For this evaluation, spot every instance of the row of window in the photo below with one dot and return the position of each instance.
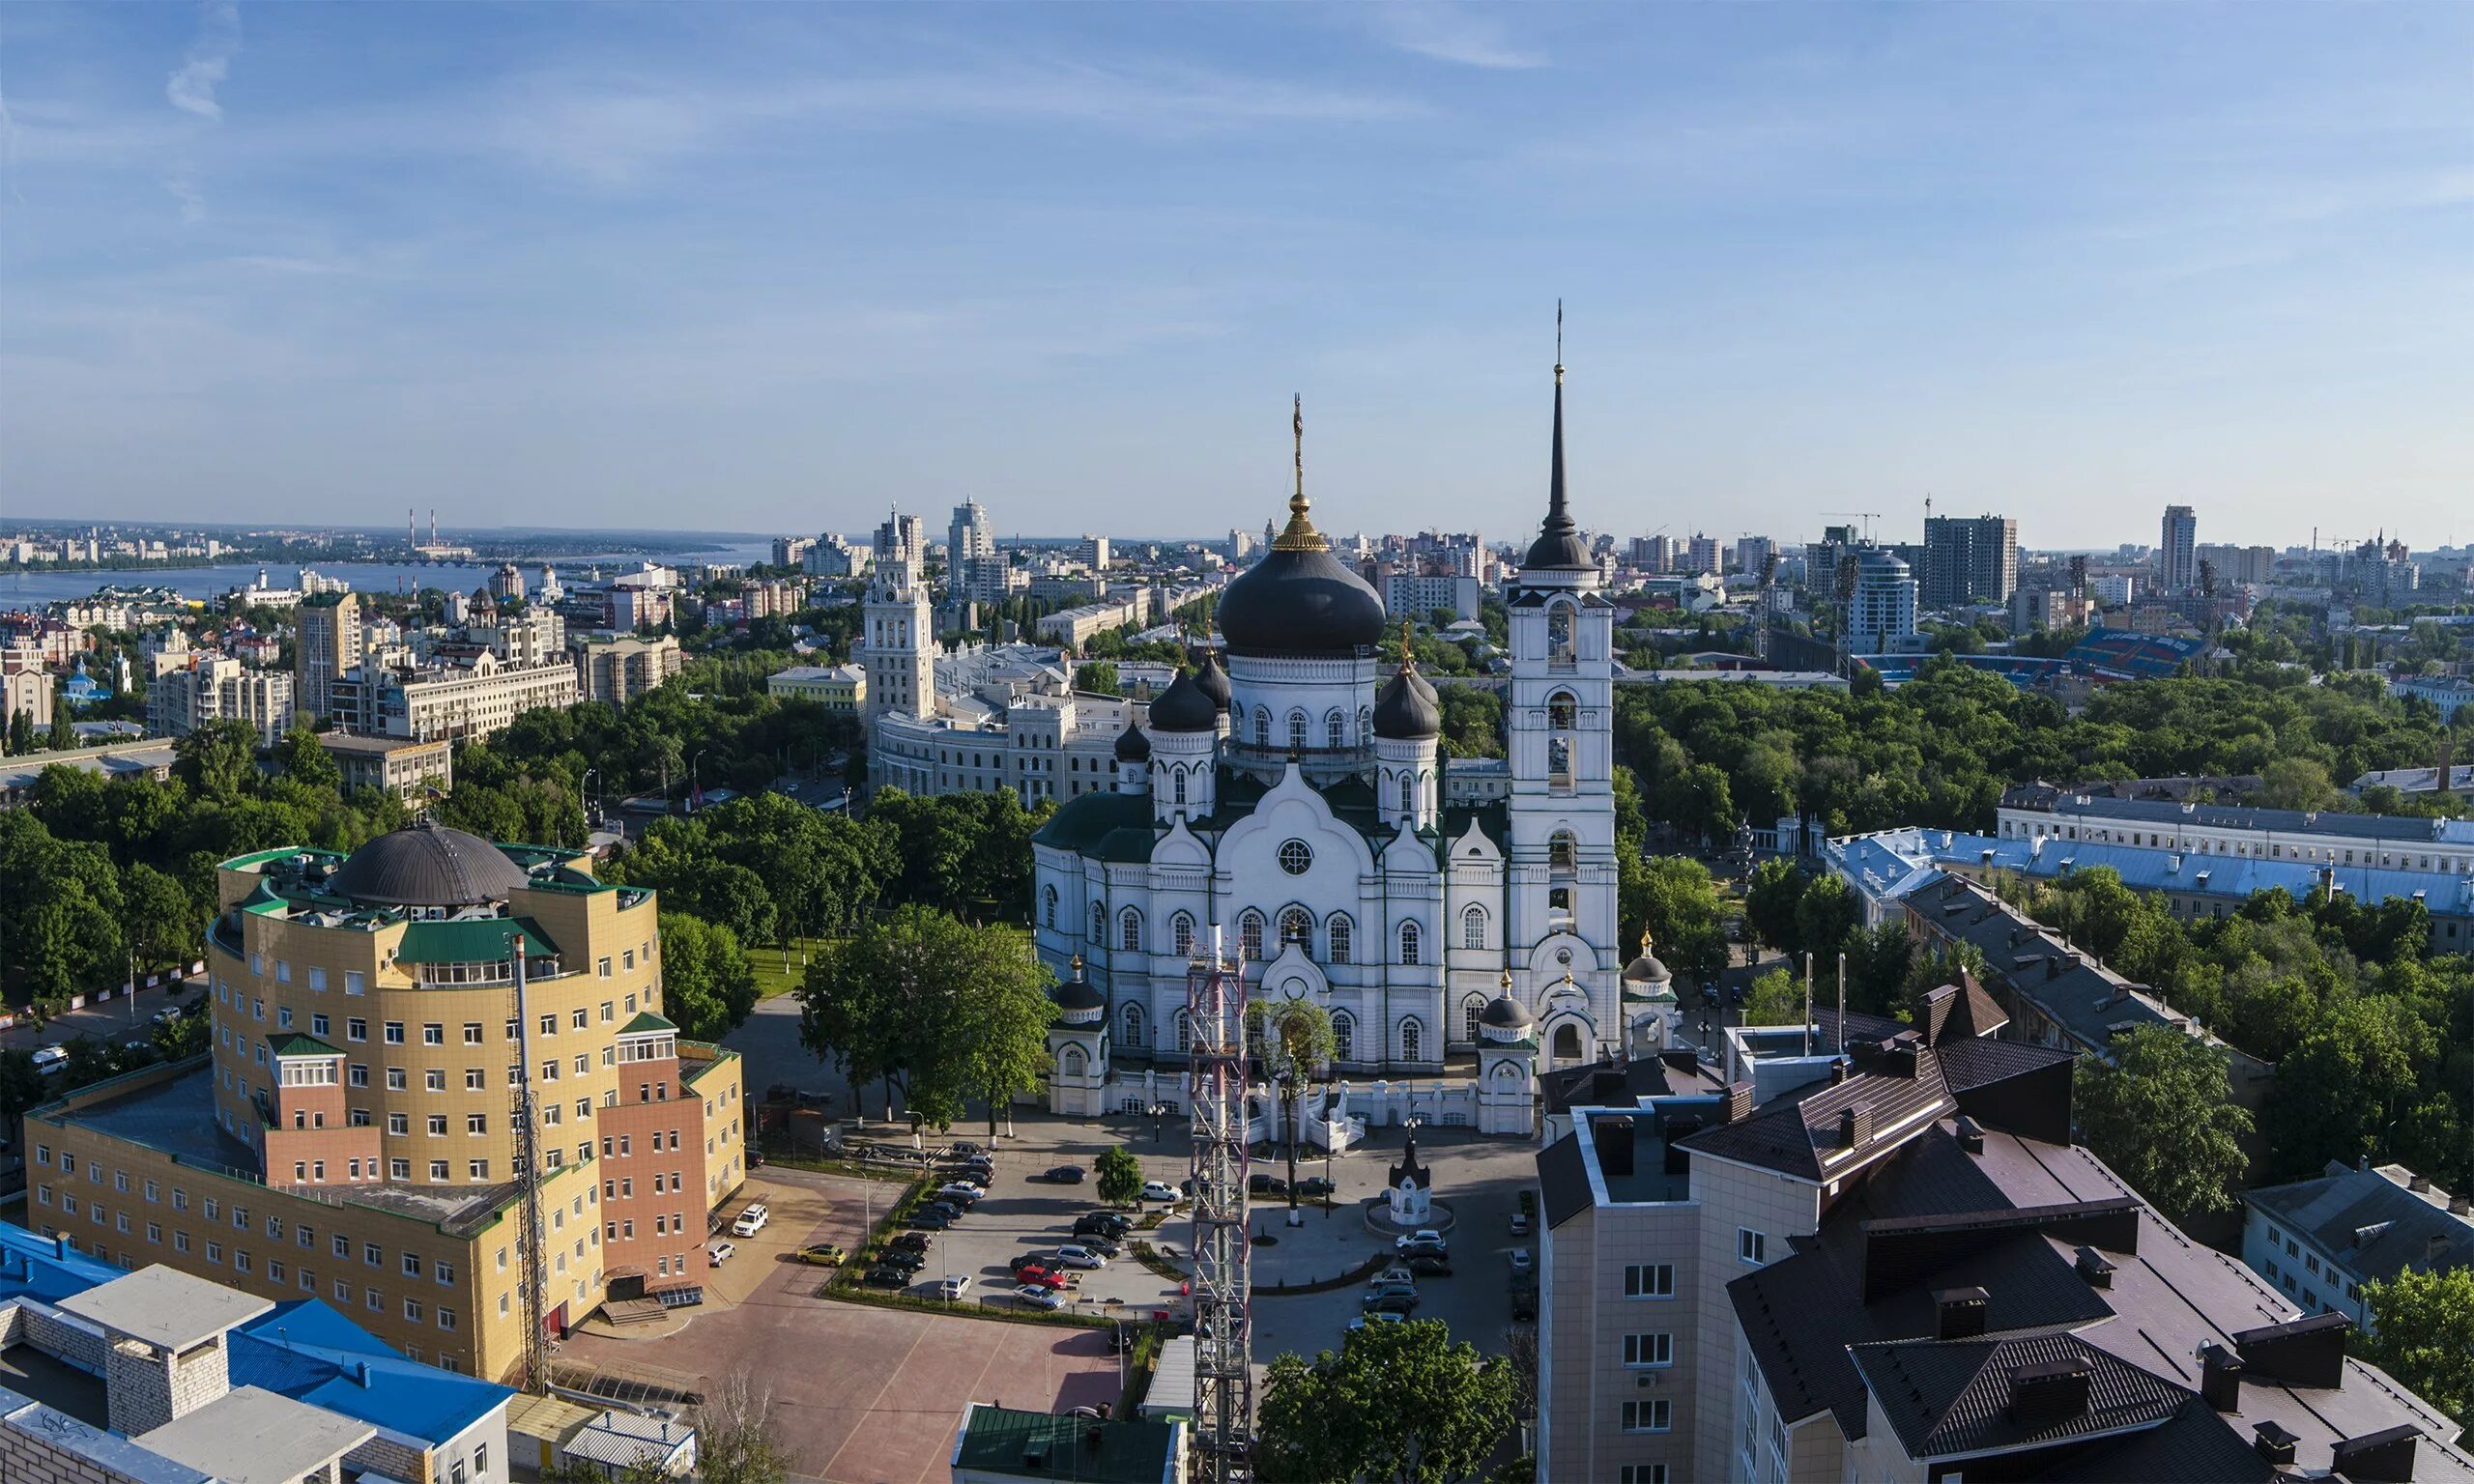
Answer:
(1413, 1032)
(2266, 848)
(433, 1033)
(242, 1259)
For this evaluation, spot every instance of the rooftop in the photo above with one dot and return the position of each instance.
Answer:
(2370, 1222)
(166, 1309)
(249, 1436)
(2291, 821)
(1044, 1445)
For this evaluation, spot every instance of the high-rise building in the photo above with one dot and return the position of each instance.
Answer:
(620, 670)
(791, 551)
(1702, 555)
(897, 644)
(902, 538)
(970, 537)
(330, 644)
(1880, 618)
(1753, 553)
(2177, 568)
(1969, 560)
(508, 583)
(218, 688)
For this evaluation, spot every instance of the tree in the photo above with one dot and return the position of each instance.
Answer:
(2298, 783)
(1677, 903)
(1097, 676)
(1877, 964)
(2421, 1333)
(735, 1442)
(1473, 722)
(1769, 903)
(217, 761)
(2343, 1084)
(2164, 1117)
(708, 987)
(1824, 918)
(1777, 999)
(1297, 1044)
(1396, 1402)
(1120, 1176)
(22, 733)
(163, 924)
(64, 736)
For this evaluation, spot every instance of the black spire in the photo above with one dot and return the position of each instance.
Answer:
(1558, 546)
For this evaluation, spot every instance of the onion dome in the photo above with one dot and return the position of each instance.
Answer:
(1407, 708)
(1646, 973)
(1300, 600)
(1213, 679)
(1558, 547)
(1184, 706)
(1505, 1018)
(428, 865)
(1131, 745)
(1078, 997)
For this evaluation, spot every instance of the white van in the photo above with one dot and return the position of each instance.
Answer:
(50, 1059)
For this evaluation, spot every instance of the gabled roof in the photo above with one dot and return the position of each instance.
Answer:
(646, 1023)
(298, 1045)
(2370, 1225)
(1946, 1397)
(1562, 1179)
(1797, 1135)
(473, 940)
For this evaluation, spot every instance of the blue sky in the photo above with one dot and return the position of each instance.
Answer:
(772, 267)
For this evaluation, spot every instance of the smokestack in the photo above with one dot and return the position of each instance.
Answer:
(2220, 1378)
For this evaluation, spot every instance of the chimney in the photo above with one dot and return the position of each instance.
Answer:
(2433, 1246)
(2272, 1442)
(1738, 1104)
(2300, 1353)
(1837, 1070)
(1855, 1126)
(1958, 1313)
(2053, 1392)
(1613, 1137)
(2094, 1267)
(1970, 1135)
(2460, 1204)
(2386, 1456)
(2220, 1378)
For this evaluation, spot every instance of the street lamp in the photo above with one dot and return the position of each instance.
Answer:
(695, 777)
(583, 798)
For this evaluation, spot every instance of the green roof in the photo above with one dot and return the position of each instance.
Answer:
(477, 940)
(999, 1440)
(297, 1045)
(644, 1024)
(1079, 824)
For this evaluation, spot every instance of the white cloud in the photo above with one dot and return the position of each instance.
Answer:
(1451, 33)
(208, 61)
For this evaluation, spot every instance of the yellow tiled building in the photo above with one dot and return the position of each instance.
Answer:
(350, 1133)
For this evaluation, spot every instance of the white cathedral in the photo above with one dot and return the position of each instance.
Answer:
(1293, 802)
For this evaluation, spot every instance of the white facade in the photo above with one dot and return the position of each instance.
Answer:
(1881, 618)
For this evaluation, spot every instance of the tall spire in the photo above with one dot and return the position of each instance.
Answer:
(1300, 535)
(1558, 546)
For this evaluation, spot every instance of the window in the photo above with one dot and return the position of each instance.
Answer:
(1133, 1026)
(399, 1122)
(1751, 1246)
(1651, 1416)
(1296, 731)
(353, 982)
(1250, 935)
(1297, 925)
(1336, 937)
(1262, 739)
(318, 1026)
(1473, 1012)
(1559, 711)
(434, 1079)
(1130, 931)
(1181, 935)
(395, 1033)
(1185, 1032)
(1098, 923)
(1649, 1280)
(1333, 729)
(1296, 856)
(1648, 1350)
(317, 979)
(356, 1029)
(396, 1078)
(1642, 1473)
(1408, 943)
(1411, 1033)
(1343, 1037)
(1473, 928)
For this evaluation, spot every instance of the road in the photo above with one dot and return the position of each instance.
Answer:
(123, 1017)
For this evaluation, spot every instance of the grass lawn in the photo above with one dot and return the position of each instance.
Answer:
(771, 979)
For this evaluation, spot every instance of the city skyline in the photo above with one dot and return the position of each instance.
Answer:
(782, 266)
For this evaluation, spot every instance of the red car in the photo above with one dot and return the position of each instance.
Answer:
(1043, 1277)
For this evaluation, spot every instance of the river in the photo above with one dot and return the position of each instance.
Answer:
(33, 589)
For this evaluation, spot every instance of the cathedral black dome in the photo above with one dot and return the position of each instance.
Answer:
(1213, 679)
(1133, 746)
(427, 865)
(1407, 708)
(1078, 992)
(1184, 706)
(1300, 602)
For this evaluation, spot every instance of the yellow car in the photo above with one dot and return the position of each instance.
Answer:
(823, 1255)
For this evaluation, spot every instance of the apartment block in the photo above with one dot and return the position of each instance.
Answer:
(330, 644)
(2321, 1240)
(211, 687)
(352, 1134)
(836, 687)
(458, 703)
(400, 765)
(620, 670)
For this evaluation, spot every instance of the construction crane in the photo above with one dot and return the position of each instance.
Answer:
(1857, 515)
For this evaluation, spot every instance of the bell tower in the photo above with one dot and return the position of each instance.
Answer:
(897, 644)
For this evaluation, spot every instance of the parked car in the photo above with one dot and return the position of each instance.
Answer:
(1104, 1246)
(1063, 1175)
(964, 1188)
(1121, 1339)
(1520, 1261)
(1108, 1223)
(1313, 1187)
(1378, 1316)
(1258, 1183)
(953, 1288)
(751, 1220)
(1160, 1190)
(964, 1147)
(1429, 1265)
(1524, 1309)
(912, 1241)
(1079, 1257)
(1378, 1289)
(1422, 1237)
(903, 1258)
(1046, 1277)
(1520, 1223)
(50, 1059)
(1395, 1302)
(1397, 1273)
(823, 1254)
(1027, 1262)
(950, 1210)
(1032, 1296)
(931, 1220)
(720, 1252)
(887, 1277)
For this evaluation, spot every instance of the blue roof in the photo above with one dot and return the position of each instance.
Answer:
(312, 1321)
(359, 1376)
(33, 1267)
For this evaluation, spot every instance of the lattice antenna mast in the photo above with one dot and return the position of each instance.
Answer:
(528, 1169)
(1224, 1322)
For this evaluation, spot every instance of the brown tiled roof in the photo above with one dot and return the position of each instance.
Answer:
(1794, 1133)
(1946, 1397)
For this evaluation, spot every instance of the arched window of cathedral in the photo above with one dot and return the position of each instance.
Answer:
(1296, 731)
(1181, 931)
(1297, 925)
(1558, 762)
(1343, 1037)
(1561, 711)
(1334, 726)
(1408, 793)
(1177, 782)
(1364, 722)
(1411, 1033)
(1262, 727)
(1408, 942)
(1563, 851)
(1560, 654)
(1130, 931)
(1098, 923)
(1335, 936)
(1472, 1011)
(1133, 1026)
(1250, 935)
(1070, 1062)
(1185, 1032)
(1047, 900)
(1473, 928)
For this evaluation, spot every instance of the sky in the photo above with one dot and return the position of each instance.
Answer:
(777, 267)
